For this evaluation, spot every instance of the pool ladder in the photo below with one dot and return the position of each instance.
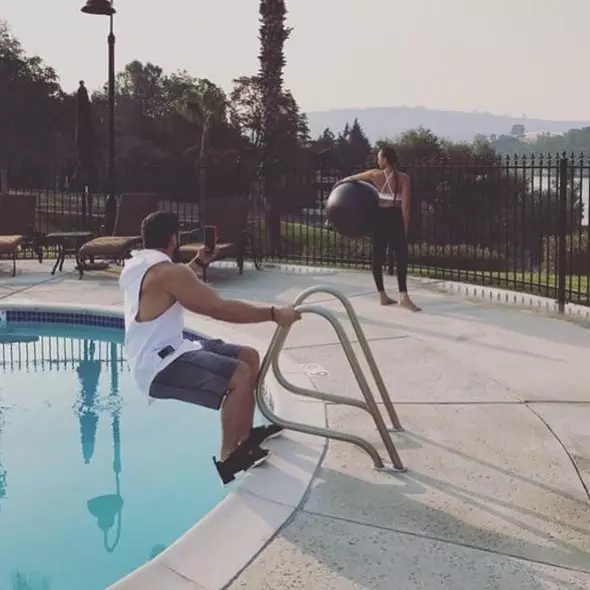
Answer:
(271, 360)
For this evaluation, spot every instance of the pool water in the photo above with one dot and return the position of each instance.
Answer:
(94, 480)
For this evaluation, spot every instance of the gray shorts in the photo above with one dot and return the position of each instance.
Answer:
(199, 377)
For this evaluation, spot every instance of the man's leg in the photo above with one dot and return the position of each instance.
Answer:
(237, 410)
(251, 357)
(245, 354)
(216, 382)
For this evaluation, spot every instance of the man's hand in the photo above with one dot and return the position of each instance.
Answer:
(204, 256)
(286, 316)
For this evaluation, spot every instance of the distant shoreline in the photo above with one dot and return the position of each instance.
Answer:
(388, 122)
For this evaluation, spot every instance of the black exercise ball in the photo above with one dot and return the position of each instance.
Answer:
(352, 209)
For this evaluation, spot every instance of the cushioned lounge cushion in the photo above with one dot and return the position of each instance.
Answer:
(8, 244)
(224, 250)
(109, 246)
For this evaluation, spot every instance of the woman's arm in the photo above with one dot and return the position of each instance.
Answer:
(367, 176)
(406, 202)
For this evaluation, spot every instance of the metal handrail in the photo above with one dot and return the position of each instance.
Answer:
(310, 393)
(271, 360)
(362, 339)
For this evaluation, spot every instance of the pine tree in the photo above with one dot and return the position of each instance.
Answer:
(353, 148)
(359, 144)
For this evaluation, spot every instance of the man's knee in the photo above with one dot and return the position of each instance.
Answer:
(251, 357)
(242, 376)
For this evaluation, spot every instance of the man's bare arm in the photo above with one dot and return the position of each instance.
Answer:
(196, 268)
(196, 296)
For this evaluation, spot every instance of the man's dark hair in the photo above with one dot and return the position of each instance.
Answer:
(158, 228)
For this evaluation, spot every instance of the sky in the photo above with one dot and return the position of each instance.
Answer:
(513, 57)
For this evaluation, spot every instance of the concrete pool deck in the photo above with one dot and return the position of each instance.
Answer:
(495, 401)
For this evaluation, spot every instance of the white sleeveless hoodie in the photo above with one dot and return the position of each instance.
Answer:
(144, 340)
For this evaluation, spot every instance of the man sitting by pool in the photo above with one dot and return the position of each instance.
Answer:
(210, 373)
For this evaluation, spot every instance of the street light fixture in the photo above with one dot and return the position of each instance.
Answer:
(102, 7)
(106, 8)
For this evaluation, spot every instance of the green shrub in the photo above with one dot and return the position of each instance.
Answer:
(302, 241)
(457, 256)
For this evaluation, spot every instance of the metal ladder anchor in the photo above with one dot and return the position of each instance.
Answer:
(271, 360)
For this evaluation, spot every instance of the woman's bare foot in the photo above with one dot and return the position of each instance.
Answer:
(385, 300)
(407, 303)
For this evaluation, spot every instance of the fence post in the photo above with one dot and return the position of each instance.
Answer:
(562, 235)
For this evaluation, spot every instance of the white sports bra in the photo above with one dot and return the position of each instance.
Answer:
(389, 196)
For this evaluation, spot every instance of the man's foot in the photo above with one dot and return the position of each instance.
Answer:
(262, 433)
(408, 304)
(385, 300)
(244, 458)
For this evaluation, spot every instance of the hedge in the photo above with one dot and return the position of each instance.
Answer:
(317, 244)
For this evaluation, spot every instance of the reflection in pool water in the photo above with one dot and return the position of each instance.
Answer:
(94, 481)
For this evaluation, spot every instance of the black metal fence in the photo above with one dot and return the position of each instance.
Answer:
(518, 223)
(58, 353)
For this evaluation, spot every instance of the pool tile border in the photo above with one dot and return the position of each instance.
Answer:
(10, 316)
(217, 548)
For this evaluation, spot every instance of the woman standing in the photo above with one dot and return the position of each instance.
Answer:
(391, 225)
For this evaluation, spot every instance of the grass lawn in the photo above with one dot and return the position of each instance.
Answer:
(545, 284)
(307, 244)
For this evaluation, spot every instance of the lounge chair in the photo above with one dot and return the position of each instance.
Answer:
(133, 207)
(230, 216)
(17, 226)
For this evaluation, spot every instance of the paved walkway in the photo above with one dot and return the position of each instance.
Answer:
(496, 406)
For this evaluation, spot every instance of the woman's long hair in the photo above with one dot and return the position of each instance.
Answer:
(390, 154)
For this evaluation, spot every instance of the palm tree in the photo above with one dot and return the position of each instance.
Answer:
(273, 35)
(204, 104)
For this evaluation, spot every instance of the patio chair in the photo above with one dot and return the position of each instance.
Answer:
(17, 226)
(133, 207)
(230, 217)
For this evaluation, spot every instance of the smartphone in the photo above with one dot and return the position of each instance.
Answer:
(210, 234)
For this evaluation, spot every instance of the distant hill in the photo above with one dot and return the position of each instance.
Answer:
(379, 123)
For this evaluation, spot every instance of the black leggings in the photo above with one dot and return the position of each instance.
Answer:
(390, 230)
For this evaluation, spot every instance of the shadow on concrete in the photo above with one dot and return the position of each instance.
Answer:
(357, 550)
(435, 525)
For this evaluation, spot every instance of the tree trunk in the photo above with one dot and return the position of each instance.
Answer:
(274, 186)
(203, 171)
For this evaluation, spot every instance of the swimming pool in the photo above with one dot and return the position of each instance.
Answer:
(94, 481)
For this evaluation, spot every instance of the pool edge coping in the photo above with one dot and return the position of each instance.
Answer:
(499, 296)
(216, 549)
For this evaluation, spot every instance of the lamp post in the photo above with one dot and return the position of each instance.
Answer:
(109, 507)
(106, 8)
